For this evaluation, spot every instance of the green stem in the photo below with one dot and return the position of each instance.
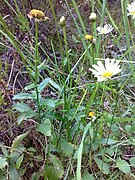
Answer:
(101, 24)
(56, 25)
(111, 123)
(66, 47)
(93, 54)
(94, 32)
(36, 71)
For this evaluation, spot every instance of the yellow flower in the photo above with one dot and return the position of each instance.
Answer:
(90, 38)
(37, 15)
(92, 114)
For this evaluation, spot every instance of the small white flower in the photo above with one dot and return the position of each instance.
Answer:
(102, 72)
(105, 30)
(131, 9)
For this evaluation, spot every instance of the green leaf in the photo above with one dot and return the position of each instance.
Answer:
(79, 116)
(26, 112)
(79, 152)
(87, 176)
(74, 178)
(18, 139)
(24, 96)
(108, 141)
(19, 161)
(31, 149)
(132, 161)
(102, 166)
(16, 154)
(49, 102)
(25, 116)
(13, 174)
(43, 84)
(66, 148)
(22, 171)
(123, 166)
(74, 129)
(36, 176)
(56, 86)
(45, 128)
(133, 127)
(128, 128)
(29, 87)
(3, 163)
(2, 174)
(58, 165)
(22, 107)
(4, 150)
(41, 66)
(108, 119)
(107, 88)
(50, 173)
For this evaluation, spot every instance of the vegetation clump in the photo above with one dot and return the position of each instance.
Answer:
(67, 90)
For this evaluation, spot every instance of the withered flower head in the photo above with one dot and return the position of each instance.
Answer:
(37, 15)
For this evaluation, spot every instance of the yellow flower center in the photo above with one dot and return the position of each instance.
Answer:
(132, 12)
(89, 37)
(107, 74)
(91, 114)
(104, 31)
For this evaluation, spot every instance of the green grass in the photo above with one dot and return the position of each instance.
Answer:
(53, 136)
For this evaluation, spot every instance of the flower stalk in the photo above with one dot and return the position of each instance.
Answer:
(62, 23)
(36, 71)
(66, 47)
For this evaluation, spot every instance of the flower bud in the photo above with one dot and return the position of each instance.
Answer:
(62, 21)
(93, 17)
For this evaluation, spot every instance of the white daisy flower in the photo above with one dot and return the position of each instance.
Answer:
(131, 9)
(102, 72)
(105, 30)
